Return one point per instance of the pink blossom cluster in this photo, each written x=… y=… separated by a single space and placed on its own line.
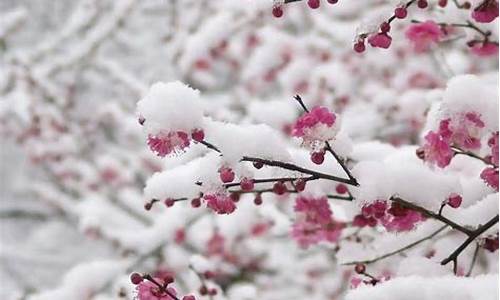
x=486 y=11
x=318 y=125
x=483 y=48
x=493 y=144
x=490 y=174
x=315 y=222
x=393 y=217
x=155 y=288
x=147 y=290
x=220 y=202
x=166 y=143
x=463 y=132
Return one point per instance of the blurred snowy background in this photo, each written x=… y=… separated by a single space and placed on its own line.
x=74 y=160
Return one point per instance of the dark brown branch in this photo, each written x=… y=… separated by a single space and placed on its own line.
x=329 y=148
x=292 y=167
x=476 y=233
x=284 y=179
x=458 y=151
x=393 y=17
x=270 y=190
x=432 y=215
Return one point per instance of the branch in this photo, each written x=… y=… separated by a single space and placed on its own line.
x=454 y=256
x=292 y=167
x=284 y=179
x=329 y=148
x=473 y=262
x=432 y=215
x=409 y=246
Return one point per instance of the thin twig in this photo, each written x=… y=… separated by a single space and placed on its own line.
x=454 y=256
x=433 y=215
x=409 y=246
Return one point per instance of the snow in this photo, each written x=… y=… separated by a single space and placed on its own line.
x=431 y=288
x=468 y=93
x=171 y=106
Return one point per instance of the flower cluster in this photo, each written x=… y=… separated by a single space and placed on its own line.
x=171 y=142
x=317 y=126
x=149 y=288
x=463 y=131
x=486 y=11
x=314 y=222
x=221 y=203
x=393 y=217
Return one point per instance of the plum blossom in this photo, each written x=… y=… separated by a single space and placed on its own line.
x=493 y=144
x=220 y=202
x=167 y=143
x=490 y=176
x=462 y=131
x=437 y=150
x=147 y=290
x=486 y=11
x=380 y=40
x=484 y=49
x=423 y=35
x=393 y=217
x=318 y=125
x=314 y=222
x=465 y=130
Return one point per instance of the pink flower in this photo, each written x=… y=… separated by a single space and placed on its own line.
x=166 y=143
x=380 y=40
x=493 y=144
x=423 y=35
x=147 y=290
x=490 y=176
x=355 y=282
x=437 y=150
x=316 y=125
x=220 y=203
x=314 y=222
x=466 y=131
x=486 y=11
x=393 y=218
x=485 y=49
x=215 y=245
x=314 y=210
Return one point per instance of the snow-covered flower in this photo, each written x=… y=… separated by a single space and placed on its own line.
x=318 y=125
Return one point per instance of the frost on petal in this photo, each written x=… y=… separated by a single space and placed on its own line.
x=437 y=150
x=490 y=176
x=317 y=126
